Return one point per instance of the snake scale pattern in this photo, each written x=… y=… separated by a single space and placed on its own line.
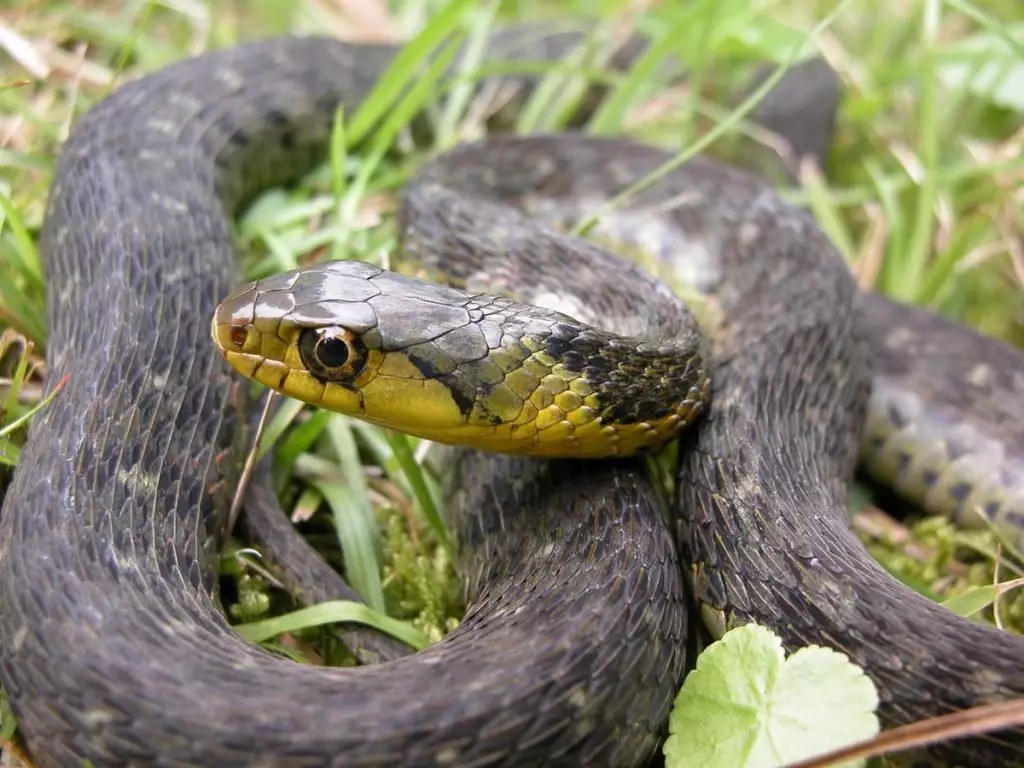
x=113 y=648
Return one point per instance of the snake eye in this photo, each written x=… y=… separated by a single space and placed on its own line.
x=332 y=354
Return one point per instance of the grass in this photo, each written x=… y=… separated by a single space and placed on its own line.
x=923 y=196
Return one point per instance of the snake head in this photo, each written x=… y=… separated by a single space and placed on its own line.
x=452 y=366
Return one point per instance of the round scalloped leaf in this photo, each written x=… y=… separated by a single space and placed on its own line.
x=746 y=705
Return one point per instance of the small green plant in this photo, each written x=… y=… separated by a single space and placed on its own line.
x=748 y=706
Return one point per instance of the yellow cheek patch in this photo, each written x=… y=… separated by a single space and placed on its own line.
x=395 y=365
x=273 y=347
x=304 y=386
x=417 y=404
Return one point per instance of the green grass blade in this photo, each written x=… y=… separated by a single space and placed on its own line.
x=404 y=69
x=411 y=105
x=17 y=380
x=890 y=185
x=463 y=88
x=349 y=500
x=23 y=273
x=8 y=726
x=9 y=451
x=906 y=273
x=559 y=93
x=283 y=418
x=414 y=474
x=990 y=24
x=332 y=612
x=611 y=114
x=826 y=213
x=28 y=263
x=720 y=129
x=338 y=156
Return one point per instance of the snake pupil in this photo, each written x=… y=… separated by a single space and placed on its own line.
x=332 y=352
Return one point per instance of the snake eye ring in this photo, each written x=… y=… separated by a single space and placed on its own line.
x=333 y=353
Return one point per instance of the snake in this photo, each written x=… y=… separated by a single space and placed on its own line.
x=114 y=649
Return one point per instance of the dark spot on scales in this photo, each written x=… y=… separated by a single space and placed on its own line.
x=567 y=345
x=486 y=414
x=646 y=391
x=895 y=417
x=225 y=125
x=902 y=462
x=960 y=492
x=425 y=366
x=238 y=139
x=462 y=390
x=556 y=347
x=277 y=118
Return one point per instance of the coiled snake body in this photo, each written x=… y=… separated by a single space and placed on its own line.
x=112 y=645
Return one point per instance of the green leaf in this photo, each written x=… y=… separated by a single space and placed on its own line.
x=977 y=599
x=747 y=706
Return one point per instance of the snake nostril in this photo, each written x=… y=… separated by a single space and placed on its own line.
x=238 y=337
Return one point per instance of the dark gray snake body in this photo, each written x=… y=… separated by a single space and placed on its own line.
x=112 y=644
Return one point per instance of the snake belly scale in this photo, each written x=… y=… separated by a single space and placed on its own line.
x=112 y=646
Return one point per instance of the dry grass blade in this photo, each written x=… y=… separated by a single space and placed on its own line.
x=250 y=464
x=935 y=730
